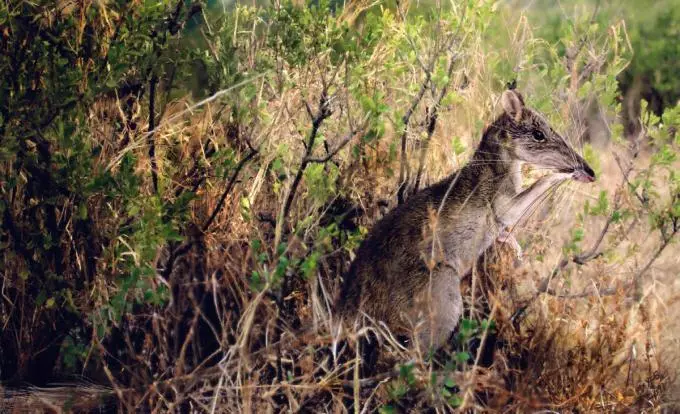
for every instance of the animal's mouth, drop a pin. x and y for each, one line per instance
(584, 174)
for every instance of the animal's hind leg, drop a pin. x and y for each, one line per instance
(443, 309)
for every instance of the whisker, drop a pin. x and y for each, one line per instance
(542, 197)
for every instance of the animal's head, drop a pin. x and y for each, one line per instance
(532, 140)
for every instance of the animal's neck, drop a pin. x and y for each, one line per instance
(492, 151)
(493, 155)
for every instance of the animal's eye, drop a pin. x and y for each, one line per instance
(539, 136)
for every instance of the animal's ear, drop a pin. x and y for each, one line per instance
(513, 104)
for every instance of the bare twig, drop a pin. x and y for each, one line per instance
(593, 253)
(344, 141)
(180, 363)
(230, 185)
(152, 126)
(180, 114)
(581, 259)
(636, 282)
(631, 187)
(309, 111)
(638, 277)
(585, 293)
(114, 384)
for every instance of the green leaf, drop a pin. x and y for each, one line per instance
(455, 401)
(387, 409)
(458, 146)
(591, 157)
(406, 372)
(82, 211)
(40, 299)
(256, 281)
(602, 205)
(281, 248)
(578, 234)
(309, 265)
(462, 357)
(489, 325)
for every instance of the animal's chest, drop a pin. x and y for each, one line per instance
(465, 236)
(501, 209)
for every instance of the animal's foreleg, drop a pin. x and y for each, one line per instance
(512, 210)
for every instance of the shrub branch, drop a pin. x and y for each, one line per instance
(230, 185)
(322, 113)
(152, 127)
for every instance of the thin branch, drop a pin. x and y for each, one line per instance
(405, 121)
(322, 113)
(432, 123)
(573, 51)
(150, 139)
(580, 259)
(583, 258)
(631, 187)
(230, 185)
(309, 111)
(168, 87)
(179, 364)
(638, 277)
(586, 293)
(350, 119)
(636, 280)
(346, 139)
(173, 25)
(340, 145)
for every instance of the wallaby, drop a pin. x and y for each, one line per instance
(407, 271)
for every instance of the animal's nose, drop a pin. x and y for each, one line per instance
(584, 173)
(589, 171)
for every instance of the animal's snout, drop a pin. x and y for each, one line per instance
(584, 173)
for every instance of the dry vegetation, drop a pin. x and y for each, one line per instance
(290, 174)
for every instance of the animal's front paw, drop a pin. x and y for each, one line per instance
(507, 238)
